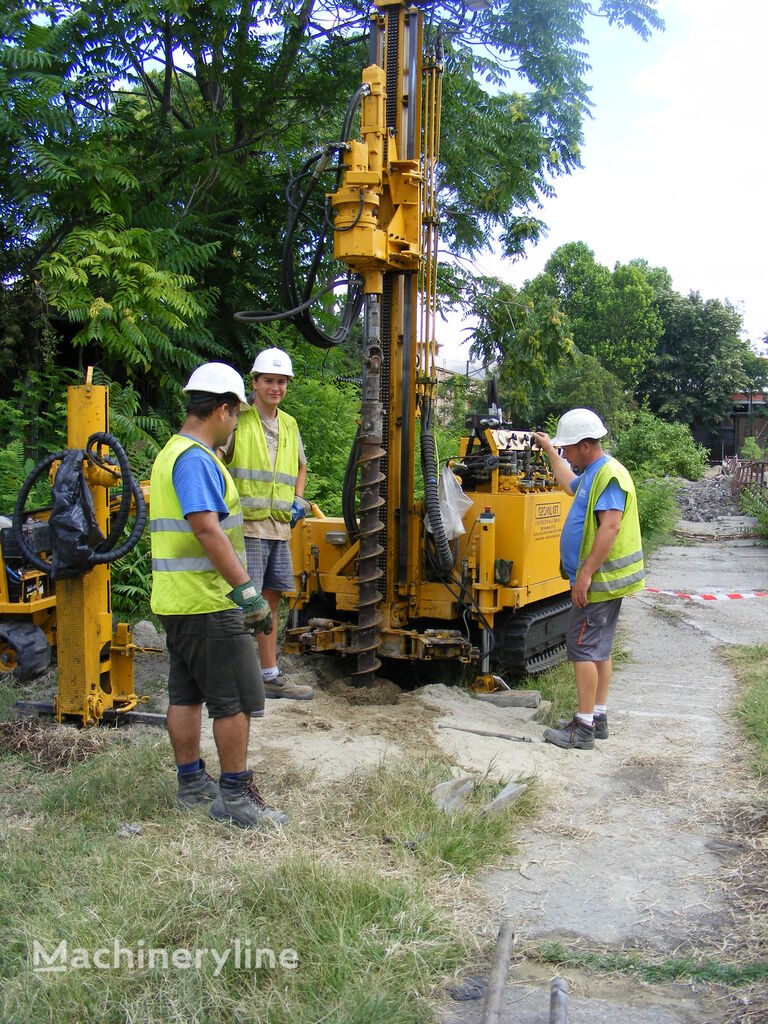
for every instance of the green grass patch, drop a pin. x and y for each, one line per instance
(361, 885)
(396, 807)
(671, 969)
(557, 686)
(750, 664)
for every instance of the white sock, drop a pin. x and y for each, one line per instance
(584, 719)
(268, 674)
(601, 709)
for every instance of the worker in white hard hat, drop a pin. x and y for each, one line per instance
(267, 462)
(601, 554)
(207, 603)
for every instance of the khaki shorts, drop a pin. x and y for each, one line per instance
(213, 662)
(591, 631)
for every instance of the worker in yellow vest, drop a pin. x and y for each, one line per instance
(601, 553)
(207, 603)
(267, 462)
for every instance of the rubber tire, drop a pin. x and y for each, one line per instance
(33, 652)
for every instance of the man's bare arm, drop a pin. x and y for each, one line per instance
(563, 472)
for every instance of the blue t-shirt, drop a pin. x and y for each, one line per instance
(573, 528)
(199, 483)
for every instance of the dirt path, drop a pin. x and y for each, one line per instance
(650, 843)
(641, 843)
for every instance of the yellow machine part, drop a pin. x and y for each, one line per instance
(523, 537)
(93, 677)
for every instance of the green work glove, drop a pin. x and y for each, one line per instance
(256, 611)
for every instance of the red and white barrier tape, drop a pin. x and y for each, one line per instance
(709, 597)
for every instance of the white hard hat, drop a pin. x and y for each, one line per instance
(578, 425)
(273, 360)
(216, 379)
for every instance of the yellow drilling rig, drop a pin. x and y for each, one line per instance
(58, 595)
(386, 580)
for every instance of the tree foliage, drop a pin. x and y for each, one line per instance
(582, 382)
(523, 332)
(652, 447)
(149, 144)
(612, 314)
(698, 362)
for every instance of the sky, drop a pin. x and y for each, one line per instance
(675, 161)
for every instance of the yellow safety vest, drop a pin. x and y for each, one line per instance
(265, 491)
(184, 581)
(623, 571)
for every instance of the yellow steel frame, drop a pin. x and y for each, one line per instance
(91, 681)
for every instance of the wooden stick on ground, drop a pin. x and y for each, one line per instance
(494, 1001)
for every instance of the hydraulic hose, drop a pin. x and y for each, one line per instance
(105, 551)
(444, 557)
(300, 299)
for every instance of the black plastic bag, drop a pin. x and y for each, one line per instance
(75, 534)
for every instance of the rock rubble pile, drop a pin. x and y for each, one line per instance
(703, 501)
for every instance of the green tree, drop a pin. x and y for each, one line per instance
(612, 314)
(698, 362)
(755, 369)
(150, 143)
(582, 382)
(524, 333)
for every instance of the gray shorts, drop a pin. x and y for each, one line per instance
(270, 565)
(591, 631)
(213, 662)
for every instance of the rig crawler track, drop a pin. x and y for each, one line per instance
(528, 642)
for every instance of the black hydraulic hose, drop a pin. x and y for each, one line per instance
(134, 536)
(298, 193)
(100, 438)
(18, 534)
(107, 552)
(444, 557)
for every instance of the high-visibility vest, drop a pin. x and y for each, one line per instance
(184, 581)
(623, 571)
(265, 490)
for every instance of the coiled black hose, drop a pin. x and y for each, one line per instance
(444, 558)
(105, 551)
(300, 299)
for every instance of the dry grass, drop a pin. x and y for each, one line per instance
(50, 746)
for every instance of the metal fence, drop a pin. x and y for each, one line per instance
(746, 473)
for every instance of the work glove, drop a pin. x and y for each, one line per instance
(298, 511)
(256, 611)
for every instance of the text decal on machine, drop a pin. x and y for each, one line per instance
(547, 520)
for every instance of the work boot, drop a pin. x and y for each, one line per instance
(600, 723)
(197, 789)
(575, 736)
(282, 686)
(240, 802)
